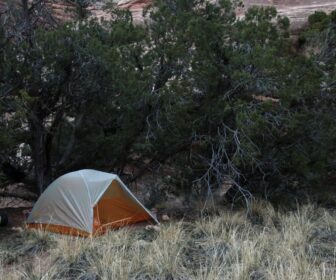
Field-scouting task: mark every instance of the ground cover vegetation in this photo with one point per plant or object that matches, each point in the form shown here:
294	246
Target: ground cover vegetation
224	100
266	244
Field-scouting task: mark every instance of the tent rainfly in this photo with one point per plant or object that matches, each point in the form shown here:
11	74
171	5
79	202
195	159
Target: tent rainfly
87	203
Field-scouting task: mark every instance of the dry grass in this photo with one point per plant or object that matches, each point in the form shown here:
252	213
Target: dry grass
266	244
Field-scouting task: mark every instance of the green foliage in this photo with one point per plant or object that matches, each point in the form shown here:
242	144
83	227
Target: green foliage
222	99
319	20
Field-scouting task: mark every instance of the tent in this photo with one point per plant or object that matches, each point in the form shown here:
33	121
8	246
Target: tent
86	203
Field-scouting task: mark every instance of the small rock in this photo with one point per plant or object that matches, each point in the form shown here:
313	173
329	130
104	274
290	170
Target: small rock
165	218
18	229
154	228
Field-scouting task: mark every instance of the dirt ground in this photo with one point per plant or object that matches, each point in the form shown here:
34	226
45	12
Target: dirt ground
265	244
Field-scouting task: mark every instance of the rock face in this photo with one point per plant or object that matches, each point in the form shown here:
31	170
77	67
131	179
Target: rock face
296	10
135	6
62	9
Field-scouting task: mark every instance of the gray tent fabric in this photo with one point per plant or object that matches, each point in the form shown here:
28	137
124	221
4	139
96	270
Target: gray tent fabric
70	199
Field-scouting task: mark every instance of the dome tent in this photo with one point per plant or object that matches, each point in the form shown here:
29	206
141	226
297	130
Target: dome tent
86	203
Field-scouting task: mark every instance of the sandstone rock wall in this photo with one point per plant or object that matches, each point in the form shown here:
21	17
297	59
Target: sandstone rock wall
296	10
62	9
135	6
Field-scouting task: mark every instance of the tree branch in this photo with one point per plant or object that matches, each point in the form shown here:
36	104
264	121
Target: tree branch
29	197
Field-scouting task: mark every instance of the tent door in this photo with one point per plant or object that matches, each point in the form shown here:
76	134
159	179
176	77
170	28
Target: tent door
96	219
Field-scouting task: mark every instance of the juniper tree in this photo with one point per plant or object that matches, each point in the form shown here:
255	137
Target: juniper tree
224	100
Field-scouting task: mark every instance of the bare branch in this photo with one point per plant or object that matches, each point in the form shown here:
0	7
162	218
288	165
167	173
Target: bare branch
26	196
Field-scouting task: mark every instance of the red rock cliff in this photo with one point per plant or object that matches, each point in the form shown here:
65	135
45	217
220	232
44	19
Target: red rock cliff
296	10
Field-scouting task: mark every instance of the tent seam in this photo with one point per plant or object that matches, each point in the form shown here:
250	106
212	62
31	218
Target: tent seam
91	208
103	192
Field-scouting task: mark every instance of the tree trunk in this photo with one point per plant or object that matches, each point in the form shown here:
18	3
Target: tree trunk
42	167
27	21
39	158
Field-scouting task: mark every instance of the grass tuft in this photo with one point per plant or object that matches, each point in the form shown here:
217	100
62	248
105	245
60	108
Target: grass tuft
263	244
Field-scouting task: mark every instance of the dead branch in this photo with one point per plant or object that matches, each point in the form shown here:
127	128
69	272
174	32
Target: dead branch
27	196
